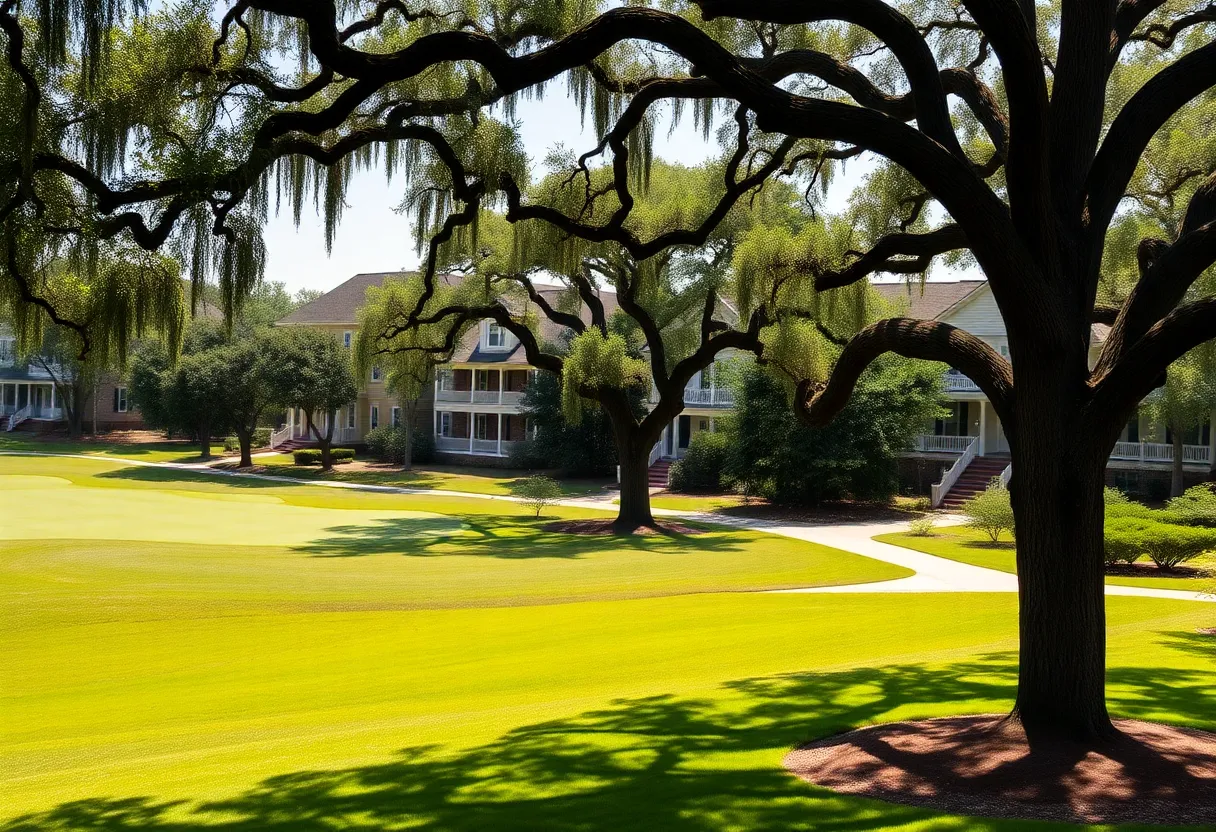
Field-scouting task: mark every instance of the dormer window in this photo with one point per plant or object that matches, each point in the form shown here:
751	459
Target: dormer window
496	337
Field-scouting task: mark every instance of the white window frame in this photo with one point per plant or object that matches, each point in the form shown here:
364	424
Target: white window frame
445	423
394	416
123	403
350	416
347	336
447	379
376	374
375	416
8	351
482	419
494	332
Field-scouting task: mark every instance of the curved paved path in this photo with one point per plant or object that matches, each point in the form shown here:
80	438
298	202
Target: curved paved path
933	574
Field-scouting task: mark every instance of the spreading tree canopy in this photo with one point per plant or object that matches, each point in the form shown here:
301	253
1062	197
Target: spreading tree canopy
1015	135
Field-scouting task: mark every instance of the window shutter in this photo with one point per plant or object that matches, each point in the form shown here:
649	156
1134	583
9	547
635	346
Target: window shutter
115	399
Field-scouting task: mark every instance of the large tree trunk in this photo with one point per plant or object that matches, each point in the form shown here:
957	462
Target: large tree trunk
245	438
633	455
1058	476
1177	475
204	441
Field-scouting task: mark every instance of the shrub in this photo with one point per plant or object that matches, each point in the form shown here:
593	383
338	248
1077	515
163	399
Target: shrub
990	511
702	467
312	456
922	526
387	444
920	504
231	443
538	492
1170	545
1123	538
261	437
1195	507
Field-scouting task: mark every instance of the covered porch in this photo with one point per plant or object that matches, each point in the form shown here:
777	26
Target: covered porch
676	437
22	400
480	434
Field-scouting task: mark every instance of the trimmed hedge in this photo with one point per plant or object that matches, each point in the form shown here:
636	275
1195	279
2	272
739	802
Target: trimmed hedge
387	444
702	467
312	456
1196	507
1167	544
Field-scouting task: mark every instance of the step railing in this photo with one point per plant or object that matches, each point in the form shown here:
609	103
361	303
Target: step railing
1006	475
280	436
939	490
19	417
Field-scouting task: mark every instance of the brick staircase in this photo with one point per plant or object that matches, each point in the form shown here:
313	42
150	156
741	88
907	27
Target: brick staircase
295	445
974	480
658	474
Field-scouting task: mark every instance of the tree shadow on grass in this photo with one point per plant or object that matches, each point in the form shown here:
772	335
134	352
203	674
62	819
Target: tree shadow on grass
653	763
177	475
501	536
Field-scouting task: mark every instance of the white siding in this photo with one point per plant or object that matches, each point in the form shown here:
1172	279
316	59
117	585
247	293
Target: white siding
980	316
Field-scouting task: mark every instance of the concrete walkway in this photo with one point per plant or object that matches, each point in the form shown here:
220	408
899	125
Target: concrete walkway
933	574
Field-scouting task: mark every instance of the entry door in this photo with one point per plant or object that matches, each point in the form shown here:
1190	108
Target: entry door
685	430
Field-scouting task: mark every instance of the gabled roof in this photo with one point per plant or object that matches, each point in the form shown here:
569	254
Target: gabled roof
931	299
340	307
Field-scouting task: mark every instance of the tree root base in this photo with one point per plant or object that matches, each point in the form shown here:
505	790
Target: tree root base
983	766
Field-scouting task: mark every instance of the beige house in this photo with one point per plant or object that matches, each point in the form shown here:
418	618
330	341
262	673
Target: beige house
473	407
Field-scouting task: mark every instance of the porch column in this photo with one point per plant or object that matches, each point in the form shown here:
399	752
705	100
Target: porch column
500	402
472	423
500	423
983	427
675	438
1211	436
52	399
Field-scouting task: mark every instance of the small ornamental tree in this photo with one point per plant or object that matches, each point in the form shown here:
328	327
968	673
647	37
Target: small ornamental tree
309	370
990	511
538	493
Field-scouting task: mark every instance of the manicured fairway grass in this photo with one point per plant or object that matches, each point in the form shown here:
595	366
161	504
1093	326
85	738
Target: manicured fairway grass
189	686
469	480
145	452
974	547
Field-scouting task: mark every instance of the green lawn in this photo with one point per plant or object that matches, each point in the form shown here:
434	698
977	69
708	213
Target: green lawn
974	547
385	664
470	480
168	451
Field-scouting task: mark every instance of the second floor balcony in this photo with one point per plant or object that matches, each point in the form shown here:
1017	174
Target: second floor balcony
955	382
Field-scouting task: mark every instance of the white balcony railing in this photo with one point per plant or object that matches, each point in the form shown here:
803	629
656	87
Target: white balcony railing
485	446
485	396
512	396
1160	452
943	444
343	436
452	443
708	397
939	490
958	383
454	395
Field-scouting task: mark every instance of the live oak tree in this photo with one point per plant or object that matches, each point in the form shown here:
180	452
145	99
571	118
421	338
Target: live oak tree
309	370
1004	133
408	359
186	393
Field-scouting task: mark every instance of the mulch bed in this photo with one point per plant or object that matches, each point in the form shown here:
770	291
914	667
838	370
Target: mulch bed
1150	570
606	527
1207	631
982	766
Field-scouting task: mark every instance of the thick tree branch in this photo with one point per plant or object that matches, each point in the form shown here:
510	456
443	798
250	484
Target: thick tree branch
887	256
818	404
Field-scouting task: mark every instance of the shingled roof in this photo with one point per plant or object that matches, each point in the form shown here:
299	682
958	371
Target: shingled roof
931	298
340	307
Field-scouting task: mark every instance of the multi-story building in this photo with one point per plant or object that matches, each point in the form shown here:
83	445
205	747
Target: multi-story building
29	398
474	405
